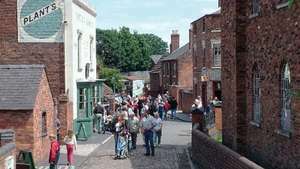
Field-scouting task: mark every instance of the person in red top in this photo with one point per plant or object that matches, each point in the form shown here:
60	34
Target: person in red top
54	152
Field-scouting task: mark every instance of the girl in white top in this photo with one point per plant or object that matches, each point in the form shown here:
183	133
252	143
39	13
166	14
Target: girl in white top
71	143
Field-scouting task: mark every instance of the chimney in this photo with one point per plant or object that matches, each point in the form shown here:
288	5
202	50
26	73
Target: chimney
219	3
174	41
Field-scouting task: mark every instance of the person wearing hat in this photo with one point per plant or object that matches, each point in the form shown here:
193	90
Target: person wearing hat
54	152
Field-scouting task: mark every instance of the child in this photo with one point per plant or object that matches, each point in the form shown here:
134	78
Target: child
54	152
70	141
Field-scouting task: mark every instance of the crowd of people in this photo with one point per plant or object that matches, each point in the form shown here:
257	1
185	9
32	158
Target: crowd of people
133	115
143	115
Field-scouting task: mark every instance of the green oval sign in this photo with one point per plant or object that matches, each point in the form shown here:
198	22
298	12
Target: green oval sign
41	19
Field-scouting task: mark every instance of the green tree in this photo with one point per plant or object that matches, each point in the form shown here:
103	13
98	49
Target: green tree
128	51
113	78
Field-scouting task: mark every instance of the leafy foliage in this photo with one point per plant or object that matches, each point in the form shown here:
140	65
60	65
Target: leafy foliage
113	77
128	51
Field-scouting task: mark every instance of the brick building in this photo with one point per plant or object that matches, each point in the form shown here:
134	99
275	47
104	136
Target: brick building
27	107
60	35
205	41
155	75
261	82
176	68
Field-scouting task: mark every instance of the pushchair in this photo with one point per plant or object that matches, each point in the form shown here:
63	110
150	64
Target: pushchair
108	125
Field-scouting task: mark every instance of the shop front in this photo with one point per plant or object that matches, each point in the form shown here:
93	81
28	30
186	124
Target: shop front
88	94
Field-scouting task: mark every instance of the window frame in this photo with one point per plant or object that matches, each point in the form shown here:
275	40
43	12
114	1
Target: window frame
44	128
255	7
285	99
256	97
79	50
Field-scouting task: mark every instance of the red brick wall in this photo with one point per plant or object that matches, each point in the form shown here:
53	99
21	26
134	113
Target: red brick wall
44	103
27	124
65	114
12	52
155	86
170	78
185	70
186	100
203	57
22	123
208	154
267	40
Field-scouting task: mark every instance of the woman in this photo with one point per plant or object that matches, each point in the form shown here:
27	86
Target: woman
121	138
71	143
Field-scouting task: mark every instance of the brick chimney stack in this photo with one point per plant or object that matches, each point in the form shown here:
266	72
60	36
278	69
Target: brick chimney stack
174	41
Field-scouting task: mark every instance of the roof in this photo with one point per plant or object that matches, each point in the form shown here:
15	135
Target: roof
19	86
177	53
107	90
155	58
132	78
216	13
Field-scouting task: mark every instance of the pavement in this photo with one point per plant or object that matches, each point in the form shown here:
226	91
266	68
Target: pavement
98	151
84	149
183	116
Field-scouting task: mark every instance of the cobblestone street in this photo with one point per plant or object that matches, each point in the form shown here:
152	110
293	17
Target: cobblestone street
171	155
98	151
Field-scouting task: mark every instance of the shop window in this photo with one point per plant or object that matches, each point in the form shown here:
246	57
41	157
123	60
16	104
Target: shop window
82	98
256	116
285	117
44	124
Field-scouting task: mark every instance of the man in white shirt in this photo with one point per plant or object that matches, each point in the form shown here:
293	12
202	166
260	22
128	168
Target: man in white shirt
147	126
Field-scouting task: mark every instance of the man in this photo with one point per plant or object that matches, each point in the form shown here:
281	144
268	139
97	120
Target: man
148	124
133	128
173	104
54	152
99	111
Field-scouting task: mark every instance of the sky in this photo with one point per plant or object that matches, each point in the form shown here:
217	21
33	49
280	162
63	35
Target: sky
159	17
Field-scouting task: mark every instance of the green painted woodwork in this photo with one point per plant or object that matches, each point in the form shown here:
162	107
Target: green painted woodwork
25	157
88	94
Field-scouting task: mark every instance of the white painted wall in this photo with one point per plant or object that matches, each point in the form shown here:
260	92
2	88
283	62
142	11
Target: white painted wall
79	20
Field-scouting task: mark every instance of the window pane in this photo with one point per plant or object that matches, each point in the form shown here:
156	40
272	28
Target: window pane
256	97
286	99
255	6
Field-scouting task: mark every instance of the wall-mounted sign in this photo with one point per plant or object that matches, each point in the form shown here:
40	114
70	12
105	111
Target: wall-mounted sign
40	20
10	162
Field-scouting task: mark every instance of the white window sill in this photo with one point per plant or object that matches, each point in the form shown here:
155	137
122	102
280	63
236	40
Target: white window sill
216	67
284	133
255	124
253	15
282	5
216	31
